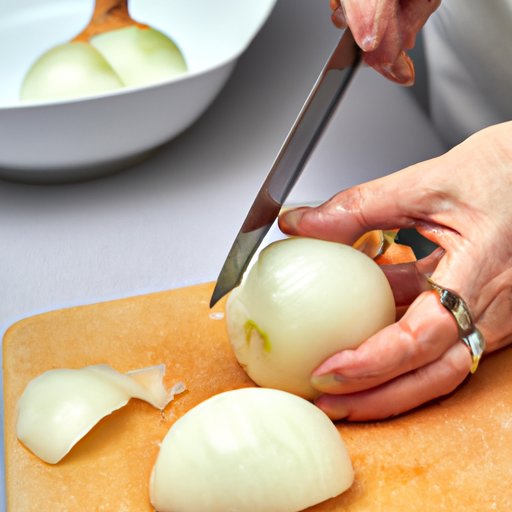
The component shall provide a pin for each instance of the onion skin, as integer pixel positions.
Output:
(305, 300)
(248, 450)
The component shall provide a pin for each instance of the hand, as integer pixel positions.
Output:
(462, 201)
(384, 29)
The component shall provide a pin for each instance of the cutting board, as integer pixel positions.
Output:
(454, 454)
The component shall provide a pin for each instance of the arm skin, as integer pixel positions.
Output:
(462, 201)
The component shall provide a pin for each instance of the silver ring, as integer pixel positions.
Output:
(468, 332)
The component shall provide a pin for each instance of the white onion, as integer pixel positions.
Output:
(301, 302)
(59, 407)
(129, 56)
(248, 450)
(140, 56)
(69, 70)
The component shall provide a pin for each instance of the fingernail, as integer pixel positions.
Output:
(369, 43)
(332, 407)
(401, 71)
(290, 219)
(327, 382)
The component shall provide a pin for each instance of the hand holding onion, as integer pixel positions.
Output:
(460, 201)
(113, 51)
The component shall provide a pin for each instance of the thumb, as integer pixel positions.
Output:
(399, 200)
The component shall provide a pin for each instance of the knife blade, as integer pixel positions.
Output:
(320, 104)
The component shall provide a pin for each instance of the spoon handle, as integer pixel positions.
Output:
(108, 15)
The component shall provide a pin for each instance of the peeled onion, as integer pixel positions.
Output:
(301, 302)
(59, 407)
(247, 450)
(67, 71)
(126, 57)
(140, 56)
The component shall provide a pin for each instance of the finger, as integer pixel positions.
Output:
(496, 322)
(368, 20)
(407, 280)
(338, 16)
(439, 235)
(403, 199)
(425, 332)
(404, 393)
(390, 45)
(400, 71)
(377, 31)
(389, 57)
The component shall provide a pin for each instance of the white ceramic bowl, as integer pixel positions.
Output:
(76, 139)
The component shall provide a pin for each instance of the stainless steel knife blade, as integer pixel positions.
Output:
(325, 95)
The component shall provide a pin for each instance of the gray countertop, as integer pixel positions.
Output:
(170, 220)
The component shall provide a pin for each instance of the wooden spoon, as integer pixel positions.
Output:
(108, 15)
(109, 53)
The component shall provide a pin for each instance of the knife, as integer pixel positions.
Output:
(327, 92)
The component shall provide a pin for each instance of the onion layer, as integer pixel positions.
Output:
(60, 406)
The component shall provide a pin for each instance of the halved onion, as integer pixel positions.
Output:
(130, 56)
(67, 71)
(140, 56)
(250, 449)
(301, 302)
(59, 407)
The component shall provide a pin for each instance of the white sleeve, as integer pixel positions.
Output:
(468, 46)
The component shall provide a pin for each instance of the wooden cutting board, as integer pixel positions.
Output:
(453, 455)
